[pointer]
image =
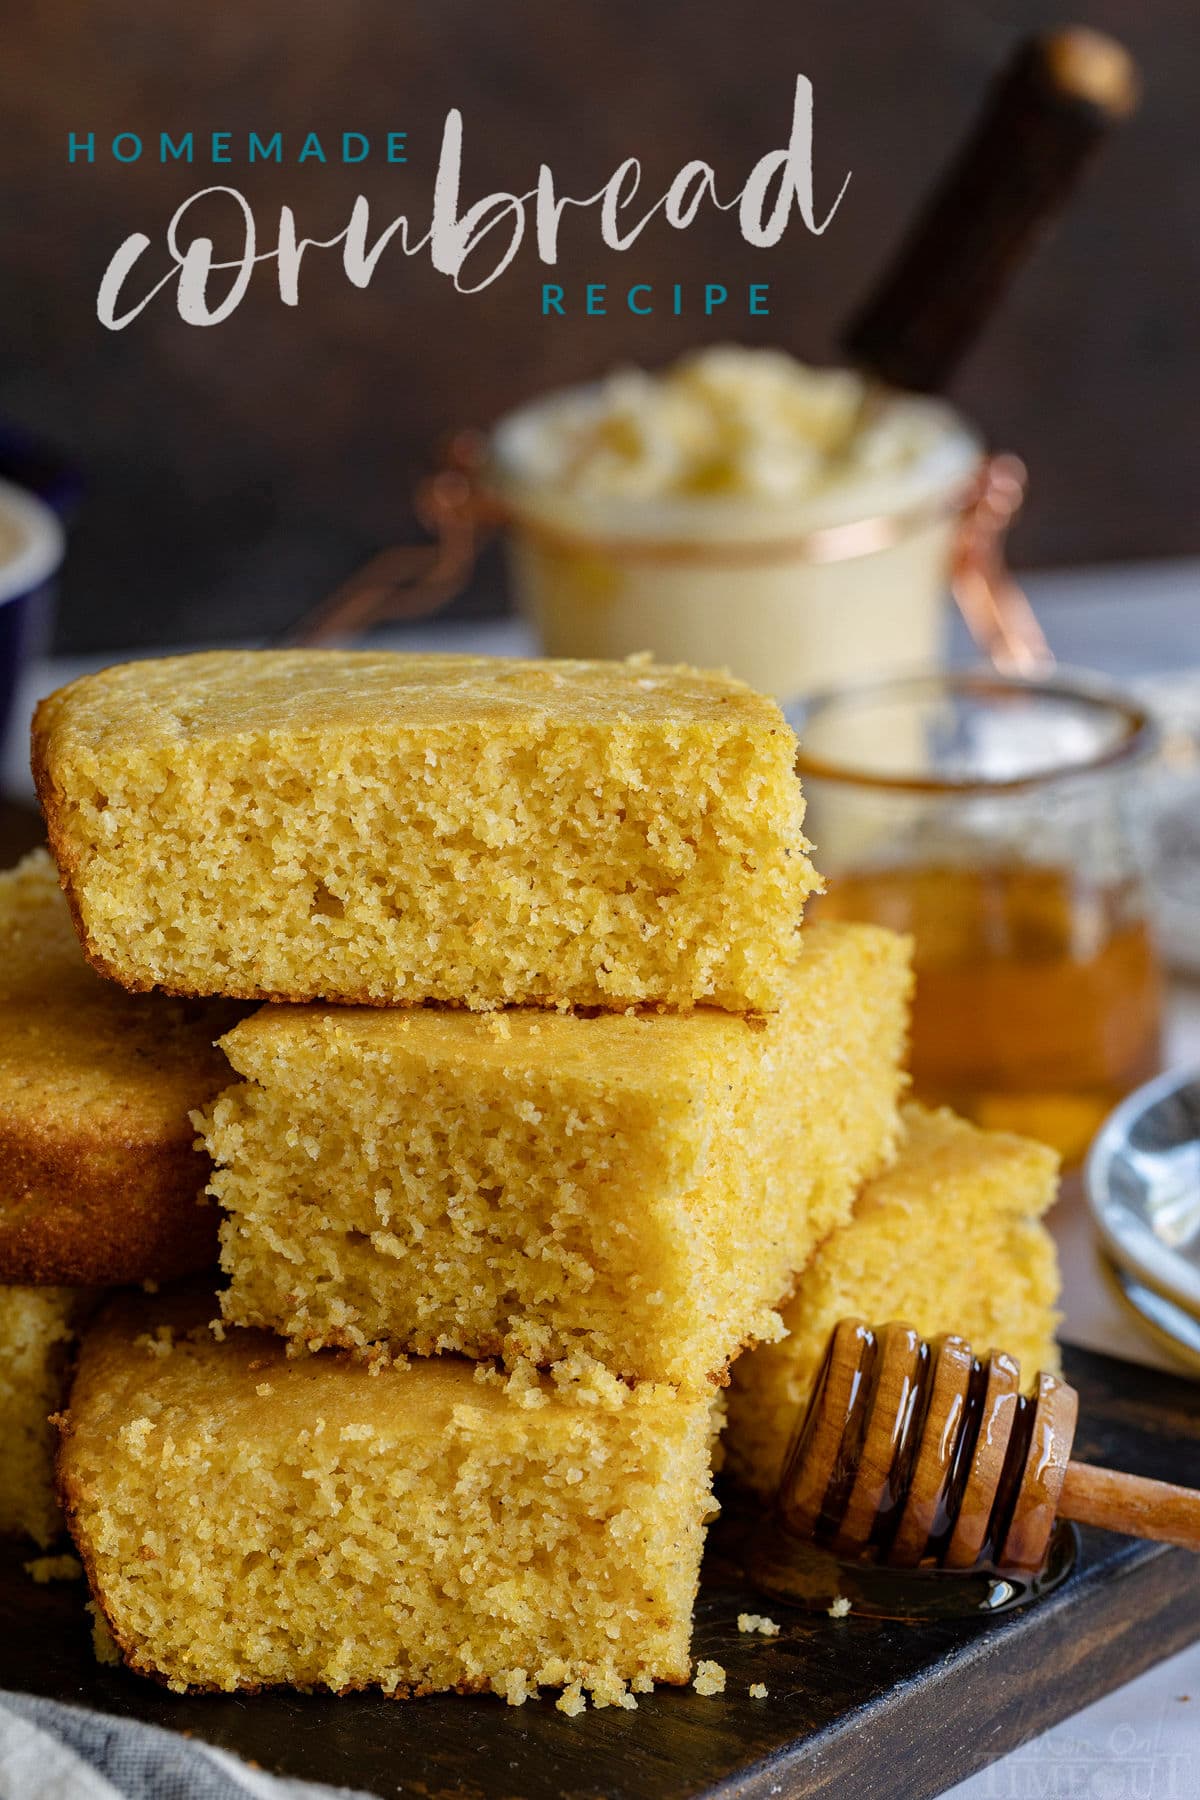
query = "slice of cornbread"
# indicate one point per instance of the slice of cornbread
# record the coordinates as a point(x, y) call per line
point(530, 1183)
point(948, 1239)
point(248, 1519)
point(100, 1182)
point(367, 827)
point(37, 1327)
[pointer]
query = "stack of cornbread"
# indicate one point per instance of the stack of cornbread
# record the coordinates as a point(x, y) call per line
point(550, 1108)
point(100, 1181)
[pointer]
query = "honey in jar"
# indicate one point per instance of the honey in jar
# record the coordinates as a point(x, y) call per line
point(999, 819)
point(1038, 999)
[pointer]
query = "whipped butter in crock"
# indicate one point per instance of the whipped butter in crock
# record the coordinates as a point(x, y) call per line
point(739, 510)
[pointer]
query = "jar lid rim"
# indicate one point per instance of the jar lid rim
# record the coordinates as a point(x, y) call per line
point(1138, 738)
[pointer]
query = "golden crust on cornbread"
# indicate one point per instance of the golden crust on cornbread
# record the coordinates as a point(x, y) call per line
point(248, 1519)
point(37, 1328)
point(385, 829)
point(100, 1181)
point(527, 1183)
point(947, 1240)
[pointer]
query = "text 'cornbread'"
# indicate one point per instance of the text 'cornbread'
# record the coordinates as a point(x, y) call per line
point(528, 1183)
point(248, 1519)
point(381, 828)
point(948, 1240)
point(100, 1181)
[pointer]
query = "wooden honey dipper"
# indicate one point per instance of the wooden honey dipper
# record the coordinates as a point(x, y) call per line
point(918, 1454)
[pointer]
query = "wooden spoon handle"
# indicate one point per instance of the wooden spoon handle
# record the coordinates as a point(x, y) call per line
point(1050, 108)
point(1131, 1504)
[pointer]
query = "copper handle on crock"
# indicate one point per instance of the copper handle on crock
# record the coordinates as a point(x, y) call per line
point(412, 581)
point(454, 505)
point(996, 608)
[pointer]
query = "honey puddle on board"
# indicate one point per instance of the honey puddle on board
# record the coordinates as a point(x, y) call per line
point(1039, 996)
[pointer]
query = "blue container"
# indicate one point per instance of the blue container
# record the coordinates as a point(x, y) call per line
point(32, 542)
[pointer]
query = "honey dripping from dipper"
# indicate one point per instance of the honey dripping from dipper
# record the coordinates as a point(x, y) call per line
point(922, 1483)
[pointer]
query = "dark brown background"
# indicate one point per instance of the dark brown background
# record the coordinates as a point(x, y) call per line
point(236, 472)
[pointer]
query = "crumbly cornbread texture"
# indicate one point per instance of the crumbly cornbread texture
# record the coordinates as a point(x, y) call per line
point(948, 1239)
point(100, 1182)
point(531, 1183)
point(368, 827)
point(248, 1519)
point(37, 1326)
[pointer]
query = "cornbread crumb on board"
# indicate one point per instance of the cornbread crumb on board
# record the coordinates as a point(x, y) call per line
point(381, 828)
point(44, 1569)
point(415, 1529)
point(104, 1647)
point(709, 1678)
point(757, 1691)
point(758, 1622)
point(839, 1607)
point(37, 1329)
point(100, 1179)
point(948, 1239)
point(639, 1189)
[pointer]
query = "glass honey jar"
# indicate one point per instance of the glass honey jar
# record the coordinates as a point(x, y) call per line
point(997, 820)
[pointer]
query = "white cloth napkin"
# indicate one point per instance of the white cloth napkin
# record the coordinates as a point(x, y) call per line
point(53, 1752)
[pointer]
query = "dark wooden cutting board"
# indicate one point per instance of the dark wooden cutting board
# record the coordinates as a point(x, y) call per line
point(859, 1708)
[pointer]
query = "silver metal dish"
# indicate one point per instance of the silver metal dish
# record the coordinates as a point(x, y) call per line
point(1174, 1332)
point(1143, 1186)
